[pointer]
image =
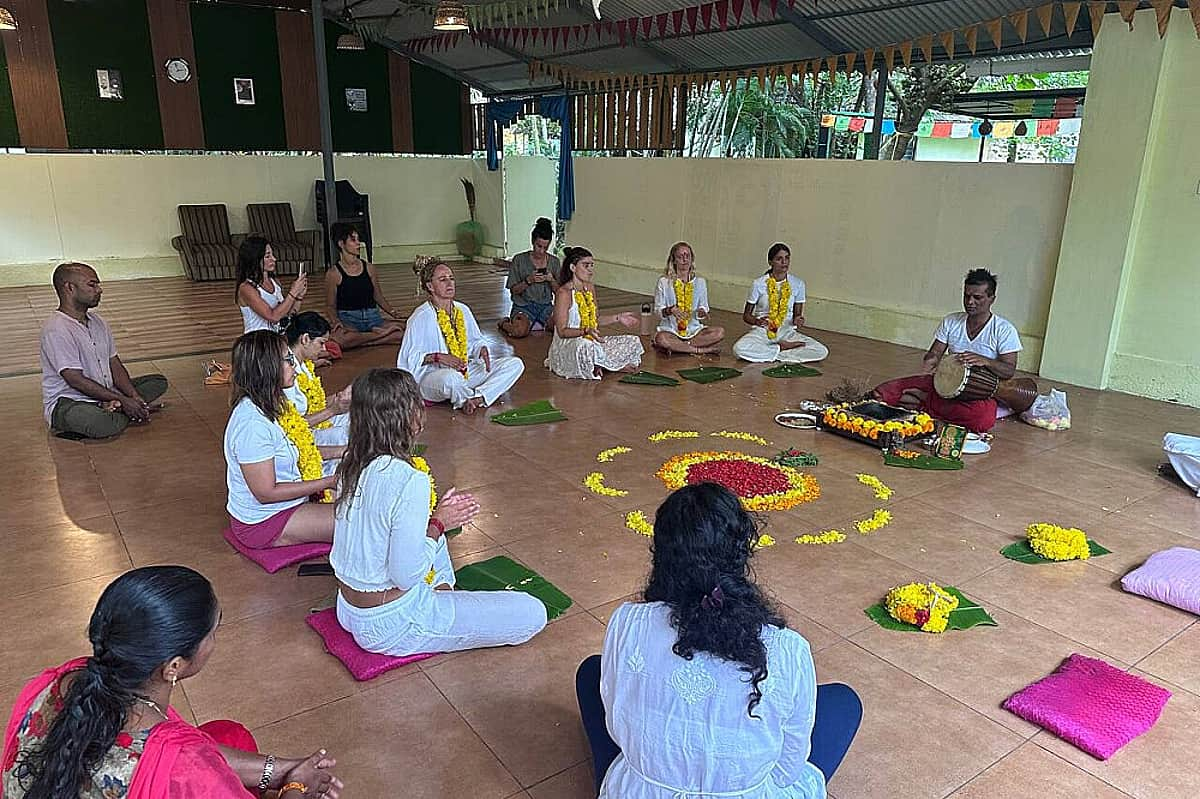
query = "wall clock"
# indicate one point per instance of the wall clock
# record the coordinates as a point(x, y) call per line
point(178, 70)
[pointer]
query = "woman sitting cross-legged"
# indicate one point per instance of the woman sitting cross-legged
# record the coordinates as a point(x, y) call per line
point(578, 349)
point(681, 300)
point(703, 688)
point(775, 312)
point(273, 466)
point(260, 295)
point(532, 279)
point(102, 727)
point(389, 550)
point(354, 297)
point(443, 349)
point(306, 334)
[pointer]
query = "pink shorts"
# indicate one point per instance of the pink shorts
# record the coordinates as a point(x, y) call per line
point(263, 534)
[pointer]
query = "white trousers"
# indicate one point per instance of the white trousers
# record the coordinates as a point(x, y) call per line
point(756, 347)
point(425, 620)
point(1184, 454)
point(440, 385)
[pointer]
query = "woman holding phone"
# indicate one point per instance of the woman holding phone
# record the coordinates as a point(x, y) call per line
point(532, 281)
point(260, 297)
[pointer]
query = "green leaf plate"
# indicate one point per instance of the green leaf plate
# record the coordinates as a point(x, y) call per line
point(708, 374)
point(923, 461)
point(649, 379)
point(504, 574)
point(791, 370)
point(1021, 552)
point(538, 412)
point(967, 615)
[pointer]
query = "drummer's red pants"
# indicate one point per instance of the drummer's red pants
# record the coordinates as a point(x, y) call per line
point(978, 416)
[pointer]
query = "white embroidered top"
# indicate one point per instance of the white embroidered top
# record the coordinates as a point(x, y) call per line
point(682, 725)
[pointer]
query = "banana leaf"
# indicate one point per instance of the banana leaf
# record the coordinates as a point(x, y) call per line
point(708, 374)
point(649, 379)
point(923, 461)
point(791, 370)
point(964, 617)
point(539, 412)
point(1021, 552)
point(504, 574)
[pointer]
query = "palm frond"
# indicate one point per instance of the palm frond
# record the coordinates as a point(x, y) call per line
point(469, 190)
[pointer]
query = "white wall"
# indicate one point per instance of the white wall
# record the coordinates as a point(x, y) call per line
point(882, 246)
point(530, 191)
point(118, 212)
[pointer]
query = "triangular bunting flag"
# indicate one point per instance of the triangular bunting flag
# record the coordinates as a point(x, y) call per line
point(831, 64)
point(889, 57)
point(761, 74)
point(1096, 16)
point(995, 30)
point(723, 13)
point(850, 59)
point(545, 36)
point(1020, 21)
point(646, 23)
point(738, 6)
point(789, 73)
point(1127, 8)
point(1162, 9)
point(774, 5)
point(691, 18)
point(1071, 16)
point(754, 7)
point(661, 20)
point(554, 38)
point(706, 14)
point(926, 43)
point(906, 53)
point(622, 27)
point(1045, 17)
point(677, 20)
point(868, 60)
point(947, 40)
point(971, 36)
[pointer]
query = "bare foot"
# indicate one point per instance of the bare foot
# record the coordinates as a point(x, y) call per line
point(472, 405)
point(630, 370)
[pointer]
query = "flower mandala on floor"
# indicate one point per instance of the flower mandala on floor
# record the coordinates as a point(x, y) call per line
point(741, 436)
point(1058, 543)
point(924, 605)
point(825, 537)
point(667, 434)
point(760, 484)
point(879, 519)
point(637, 521)
point(595, 482)
point(607, 455)
point(881, 491)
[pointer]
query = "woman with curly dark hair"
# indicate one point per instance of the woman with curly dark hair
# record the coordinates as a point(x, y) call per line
point(705, 691)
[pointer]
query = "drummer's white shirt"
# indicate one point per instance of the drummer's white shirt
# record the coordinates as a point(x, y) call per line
point(998, 337)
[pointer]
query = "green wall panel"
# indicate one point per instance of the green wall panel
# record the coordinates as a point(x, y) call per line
point(114, 34)
point(8, 114)
point(358, 131)
point(238, 42)
point(437, 112)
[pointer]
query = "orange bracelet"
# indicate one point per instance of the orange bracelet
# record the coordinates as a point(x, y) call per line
point(294, 786)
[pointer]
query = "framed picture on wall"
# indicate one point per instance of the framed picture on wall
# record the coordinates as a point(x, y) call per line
point(356, 100)
point(243, 91)
point(108, 83)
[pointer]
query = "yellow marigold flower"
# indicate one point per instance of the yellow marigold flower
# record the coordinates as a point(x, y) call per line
point(881, 491)
point(742, 436)
point(595, 482)
point(637, 521)
point(825, 537)
point(924, 605)
point(880, 518)
point(1058, 543)
point(607, 455)
point(666, 434)
point(764, 541)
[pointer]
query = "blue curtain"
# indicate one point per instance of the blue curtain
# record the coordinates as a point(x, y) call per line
point(499, 116)
point(560, 108)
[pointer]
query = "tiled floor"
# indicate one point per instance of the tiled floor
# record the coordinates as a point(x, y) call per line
point(502, 723)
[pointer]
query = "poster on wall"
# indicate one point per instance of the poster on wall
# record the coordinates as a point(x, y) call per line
point(243, 91)
point(108, 83)
point(356, 100)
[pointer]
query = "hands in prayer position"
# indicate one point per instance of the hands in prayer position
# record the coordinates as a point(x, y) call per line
point(453, 510)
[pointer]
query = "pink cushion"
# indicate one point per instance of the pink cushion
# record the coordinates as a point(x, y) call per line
point(1091, 704)
point(1171, 576)
point(275, 558)
point(362, 664)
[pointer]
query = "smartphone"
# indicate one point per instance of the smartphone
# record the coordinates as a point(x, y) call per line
point(314, 570)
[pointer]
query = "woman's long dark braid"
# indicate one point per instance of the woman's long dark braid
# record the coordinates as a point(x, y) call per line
point(702, 541)
point(143, 619)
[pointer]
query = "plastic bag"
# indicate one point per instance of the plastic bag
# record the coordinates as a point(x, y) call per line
point(1049, 411)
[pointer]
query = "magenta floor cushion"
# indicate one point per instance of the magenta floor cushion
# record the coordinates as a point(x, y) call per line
point(275, 558)
point(1091, 704)
point(1171, 576)
point(362, 664)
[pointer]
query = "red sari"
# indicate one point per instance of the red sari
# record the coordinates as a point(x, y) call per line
point(179, 761)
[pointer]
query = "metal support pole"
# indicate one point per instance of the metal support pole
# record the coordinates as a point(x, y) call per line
point(875, 140)
point(331, 212)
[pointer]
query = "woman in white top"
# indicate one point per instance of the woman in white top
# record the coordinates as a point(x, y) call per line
point(260, 296)
point(389, 552)
point(775, 312)
point(681, 301)
point(268, 500)
point(306, 335)
point(578, 349)
point(443, 349)
point(702, 691)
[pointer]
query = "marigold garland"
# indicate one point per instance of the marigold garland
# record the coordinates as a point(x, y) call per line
point(589, 318)
point(683, 306)
point(595, 482)
point(840, 417)
point(742, 437)
point(421, 465)
point(637, 521)
point(924, 605)
point(778, 294)
point(607, 455)
point(454, 331)
point(1058, 543)
point(761, 484)
point(825, 537)
point(663, 435)
point(764, 541)
point(879, 519)
point(313, 391)
point(309, 460)
point(881, 491)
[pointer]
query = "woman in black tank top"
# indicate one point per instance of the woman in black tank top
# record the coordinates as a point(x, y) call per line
point(356, 303)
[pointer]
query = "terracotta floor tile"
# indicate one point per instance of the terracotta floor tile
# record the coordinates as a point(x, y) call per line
point(1083, 603)
point(1131, 541)
point(894, 703)
point(1176, 661)
point(1095, 485)
point(57, 554)
point(818, 637)
point(526, 710)
point(1032, 771)
point(1171, 507)
point(574, 783)
point(1007, 505)
point(381, 739)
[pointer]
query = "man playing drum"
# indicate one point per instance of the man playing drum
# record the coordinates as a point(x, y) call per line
point(978, 340)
